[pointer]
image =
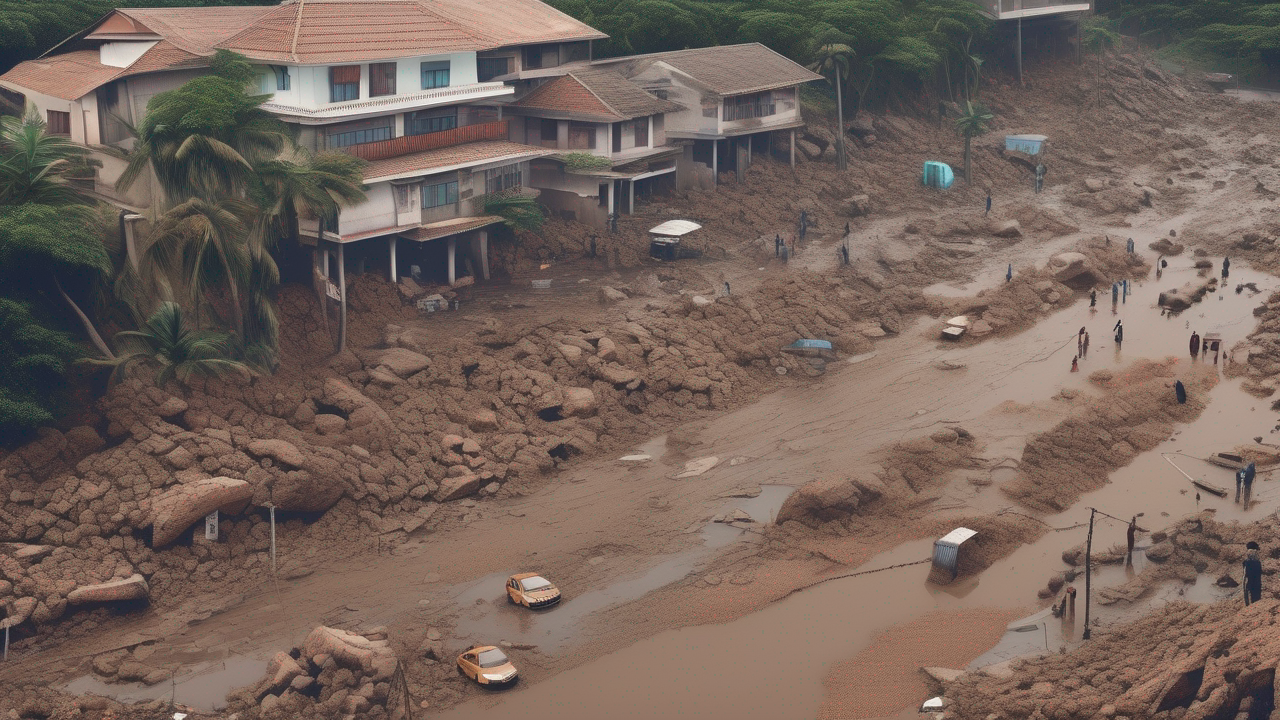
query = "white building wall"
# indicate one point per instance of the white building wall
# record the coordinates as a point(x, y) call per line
point(379, 211)
point(309, 84)
point(124, 53)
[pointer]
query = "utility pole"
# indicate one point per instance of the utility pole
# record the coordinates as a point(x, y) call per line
point(1020, 82)
point(1088, 571)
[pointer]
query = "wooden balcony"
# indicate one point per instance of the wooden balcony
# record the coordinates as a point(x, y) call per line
point(406, 144)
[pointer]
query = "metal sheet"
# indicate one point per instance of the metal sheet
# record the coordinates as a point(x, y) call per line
point(944, 557)
point(675, 228)
point(957, 537)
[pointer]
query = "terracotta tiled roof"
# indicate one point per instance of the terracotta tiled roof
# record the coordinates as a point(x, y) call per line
point(597, 94)
point(450, 157)
point(724, 70)
point(348, 31)
point(69, 76)
point(445, 228)
point(513, 22)
point(197, 30)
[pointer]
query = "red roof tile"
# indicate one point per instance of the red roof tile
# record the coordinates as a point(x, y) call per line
point(725, 69)
point(69, 76)
point(597, 94)
point(458, 155)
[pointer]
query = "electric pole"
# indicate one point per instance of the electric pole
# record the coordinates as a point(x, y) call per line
point(1088, 571)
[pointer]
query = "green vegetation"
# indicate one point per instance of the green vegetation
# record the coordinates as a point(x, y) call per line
point(892, 45)
point(517, 210)
point(1224, 35)
point(586, 161)
point(973, 121)
point(33, 361)
point(176, 351)
point(234, 184)
point(832, 60)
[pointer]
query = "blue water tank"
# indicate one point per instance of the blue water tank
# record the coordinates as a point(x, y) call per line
point(937, 174)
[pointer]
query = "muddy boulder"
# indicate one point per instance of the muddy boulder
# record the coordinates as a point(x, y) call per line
point(828, 499)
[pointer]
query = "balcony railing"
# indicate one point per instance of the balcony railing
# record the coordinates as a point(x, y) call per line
point(406, 144)
point(749, 111)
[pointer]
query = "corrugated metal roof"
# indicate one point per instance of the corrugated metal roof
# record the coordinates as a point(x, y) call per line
point(957, 537)
point(676, 228)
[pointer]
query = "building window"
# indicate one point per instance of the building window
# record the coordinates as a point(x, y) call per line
point(362, 131)
point(440, 195)
point(503, 178)
point(550, 133)
point(541, 56)
point(490, 68)
point(435, 75)
point(283, 81)
point(642, 132)
point(59, 123)
point(344, 83)
point(430, 121)
point(747, 107)
point(582, 136)
point(574, 52)
point(382, 79)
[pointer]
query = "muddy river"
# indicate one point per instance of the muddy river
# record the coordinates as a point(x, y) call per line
point(771, 664)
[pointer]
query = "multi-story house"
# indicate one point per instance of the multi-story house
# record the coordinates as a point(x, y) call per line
point(396, 82)
point(735, 98)
point(601, 114)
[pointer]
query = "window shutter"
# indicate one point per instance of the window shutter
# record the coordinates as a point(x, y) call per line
point(345, 73)
point(382, 79)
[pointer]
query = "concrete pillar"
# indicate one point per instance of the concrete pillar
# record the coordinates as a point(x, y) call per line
point(748, 151)
point(392, 246)
point(715, 162)
point(611, 206)
point(130, 238)
point(324, 261)
point(1019, 49)
point(342, 295)
point(453, 253)
point(484, 253)
point(739, 160)
point(793, 149)
point(631, 199)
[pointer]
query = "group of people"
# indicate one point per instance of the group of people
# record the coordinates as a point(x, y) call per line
point(1082, 349)
point(1200, 348)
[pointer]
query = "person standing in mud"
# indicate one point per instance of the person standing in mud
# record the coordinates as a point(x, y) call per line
point(1226, 267)
point(1119, 328)
point(1239, 482)
point(1248, 474)
point(1131, 535)
point(1252, 575)
point(1115, 294)
point(1093, 297)
point(1085, 352)
point(1080, 343)
point(988, 212)
point(1075, 364)
point(777, 245)
point(1195, 344)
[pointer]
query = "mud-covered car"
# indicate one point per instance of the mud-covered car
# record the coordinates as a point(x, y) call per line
point(488, 666)
point(532, 591)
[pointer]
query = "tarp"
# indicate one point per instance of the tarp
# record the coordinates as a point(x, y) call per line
point(1029, 144)
point(675, 228)
point(937, 174)
point(812, 344)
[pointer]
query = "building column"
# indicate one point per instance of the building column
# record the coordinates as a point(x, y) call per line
point(738, 161)
point(453, 253)
point(130, 237)
point(342, 296)
point(748, 151)
point(392, 244)
point(1020, 50)
point(324, 261)
point(484, 253)
point(631, 199)
point(611, 184)
point(793, 149)
point(715, 162)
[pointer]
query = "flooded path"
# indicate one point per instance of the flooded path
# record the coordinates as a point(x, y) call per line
point(771, 664)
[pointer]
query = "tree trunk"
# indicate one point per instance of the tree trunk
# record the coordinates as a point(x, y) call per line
point(841, 163)
point(84, 320)
point(342, 301)
point(968, 143)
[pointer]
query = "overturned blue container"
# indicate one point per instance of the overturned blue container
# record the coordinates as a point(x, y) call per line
point(937, 175)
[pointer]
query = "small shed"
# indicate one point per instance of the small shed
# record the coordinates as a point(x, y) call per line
point(946, 550)
point(937, 175)
point(1031, 145)
point(665, 239)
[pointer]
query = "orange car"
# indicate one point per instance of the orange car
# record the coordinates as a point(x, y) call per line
point(487, 665)
point(532, 591)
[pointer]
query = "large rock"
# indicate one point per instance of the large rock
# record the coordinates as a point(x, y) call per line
point(281, 671)
point(579, 402)
point(133, 587)
point(454, 488)
point(830, 499)
point(282, 451)
point(327, 424)
point(1068, 265)
point(1007, 229)
point(402, 362)
point(349, 650)
point(303, 491)
point(616, 374)
point(609, 296)
point(181, 506)
point(856, 206)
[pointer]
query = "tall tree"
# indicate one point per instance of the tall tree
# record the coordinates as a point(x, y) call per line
point(34, 165)
point(832, 59)
point(173, 348)
point(33, 362)
point(972, 122)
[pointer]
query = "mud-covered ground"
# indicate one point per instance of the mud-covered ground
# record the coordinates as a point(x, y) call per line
point(413, 473)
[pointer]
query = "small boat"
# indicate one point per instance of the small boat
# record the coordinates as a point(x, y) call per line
point(811, 348)
point(1210, 488)
point(1231, 461)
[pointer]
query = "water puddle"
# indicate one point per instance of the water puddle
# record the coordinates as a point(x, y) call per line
point(203, 687)
point(486, 616)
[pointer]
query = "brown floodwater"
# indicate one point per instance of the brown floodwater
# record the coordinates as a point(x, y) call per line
point(771, 664)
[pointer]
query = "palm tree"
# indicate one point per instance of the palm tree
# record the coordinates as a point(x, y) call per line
point(34, 164)
point(971, 123)
point(517, 210)
point(39, 244)
point(178, 352)
point(833, 58)
point(199, 244)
